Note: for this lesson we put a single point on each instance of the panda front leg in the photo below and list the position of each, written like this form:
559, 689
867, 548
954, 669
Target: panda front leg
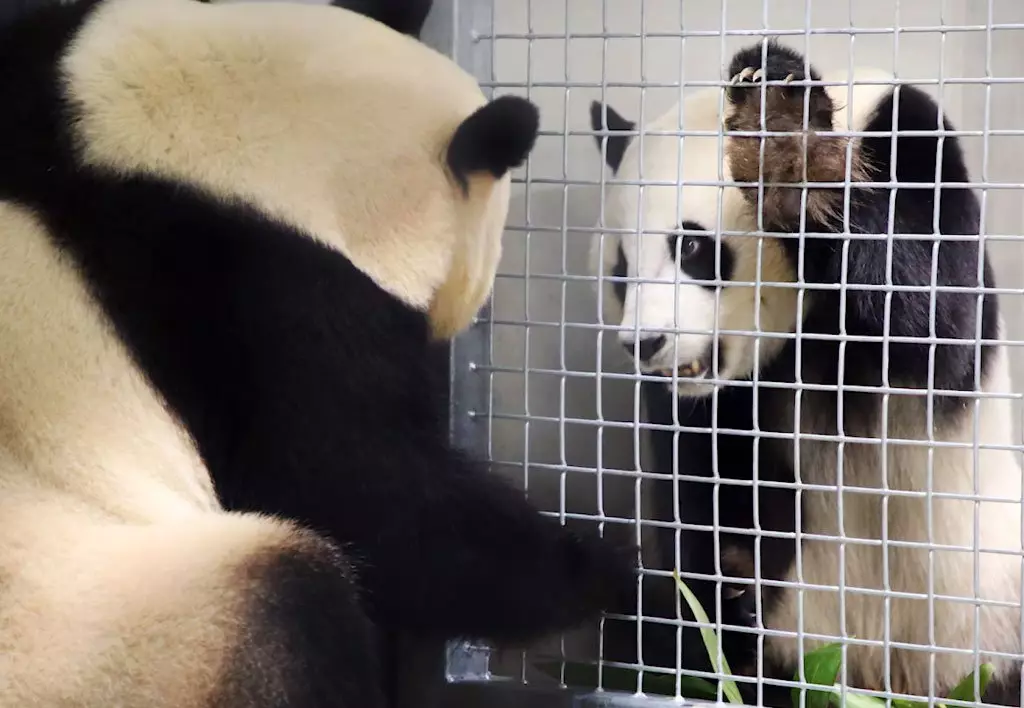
447, 549
769, 97
768, 94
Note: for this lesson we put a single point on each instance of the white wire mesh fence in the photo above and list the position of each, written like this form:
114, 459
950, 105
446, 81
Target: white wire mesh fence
545, 389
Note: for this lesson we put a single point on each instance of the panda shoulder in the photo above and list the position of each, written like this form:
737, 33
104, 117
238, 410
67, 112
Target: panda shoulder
857, 95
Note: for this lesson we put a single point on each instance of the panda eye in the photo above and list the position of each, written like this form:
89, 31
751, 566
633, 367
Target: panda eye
687, 246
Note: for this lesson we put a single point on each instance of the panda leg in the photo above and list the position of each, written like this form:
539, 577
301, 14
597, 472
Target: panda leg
772, 98
449, 550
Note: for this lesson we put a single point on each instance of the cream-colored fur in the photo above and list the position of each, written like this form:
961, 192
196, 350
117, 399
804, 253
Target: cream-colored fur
327, 119
953, 470
992, 474
123, 582
75, 413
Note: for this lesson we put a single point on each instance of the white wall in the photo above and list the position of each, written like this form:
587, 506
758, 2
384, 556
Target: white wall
536, 450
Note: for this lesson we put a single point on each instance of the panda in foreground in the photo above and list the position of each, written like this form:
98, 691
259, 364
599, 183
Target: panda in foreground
232, 248
684, 364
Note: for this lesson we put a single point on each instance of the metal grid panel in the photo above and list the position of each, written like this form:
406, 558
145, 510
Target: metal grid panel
539, 384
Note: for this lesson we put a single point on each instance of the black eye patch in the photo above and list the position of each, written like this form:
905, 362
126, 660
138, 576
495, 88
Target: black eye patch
696, 254
619, 271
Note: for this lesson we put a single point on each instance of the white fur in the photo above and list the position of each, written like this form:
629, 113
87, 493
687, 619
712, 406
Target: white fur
953, 470
675, 301
688, 307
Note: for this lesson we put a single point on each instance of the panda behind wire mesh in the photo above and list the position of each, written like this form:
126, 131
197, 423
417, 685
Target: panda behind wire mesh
694, 343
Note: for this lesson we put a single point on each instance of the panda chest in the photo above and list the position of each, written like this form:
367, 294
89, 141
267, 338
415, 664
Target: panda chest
841, 461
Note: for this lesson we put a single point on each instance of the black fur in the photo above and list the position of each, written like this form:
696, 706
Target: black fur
311, 392
289, 651
959, 214
645, 348
778, 61
619, 270
908, 363
495, 139
405, 16
617, 144
698, 258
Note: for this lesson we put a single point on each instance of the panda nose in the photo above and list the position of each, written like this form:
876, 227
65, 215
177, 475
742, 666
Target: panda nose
647, 347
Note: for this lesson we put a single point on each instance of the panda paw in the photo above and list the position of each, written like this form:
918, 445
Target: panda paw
751, 75
738, 599
740, 606
783, 73
770, 96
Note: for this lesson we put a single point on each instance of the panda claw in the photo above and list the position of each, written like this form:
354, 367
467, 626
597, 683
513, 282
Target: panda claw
743, 75
752, 75
733, 593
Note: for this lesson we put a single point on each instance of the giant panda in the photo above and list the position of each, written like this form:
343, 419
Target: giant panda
232, 239
683, 325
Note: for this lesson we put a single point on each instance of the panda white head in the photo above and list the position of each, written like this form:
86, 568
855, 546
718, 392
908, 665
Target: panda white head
676, 241
366, 139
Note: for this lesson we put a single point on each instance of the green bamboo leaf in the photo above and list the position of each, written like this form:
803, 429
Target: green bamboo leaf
901, 703
732, 692
964, 691
821, 668
856, 700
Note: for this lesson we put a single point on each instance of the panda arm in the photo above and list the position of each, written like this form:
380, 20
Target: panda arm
442, 547
782, 161
918, 314
799, 154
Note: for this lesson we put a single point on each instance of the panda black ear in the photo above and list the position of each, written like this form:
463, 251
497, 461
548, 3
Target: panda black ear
496, 138
405, 16
617, 144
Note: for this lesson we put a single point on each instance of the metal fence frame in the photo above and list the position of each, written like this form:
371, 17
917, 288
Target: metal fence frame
459, 676
462, 677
